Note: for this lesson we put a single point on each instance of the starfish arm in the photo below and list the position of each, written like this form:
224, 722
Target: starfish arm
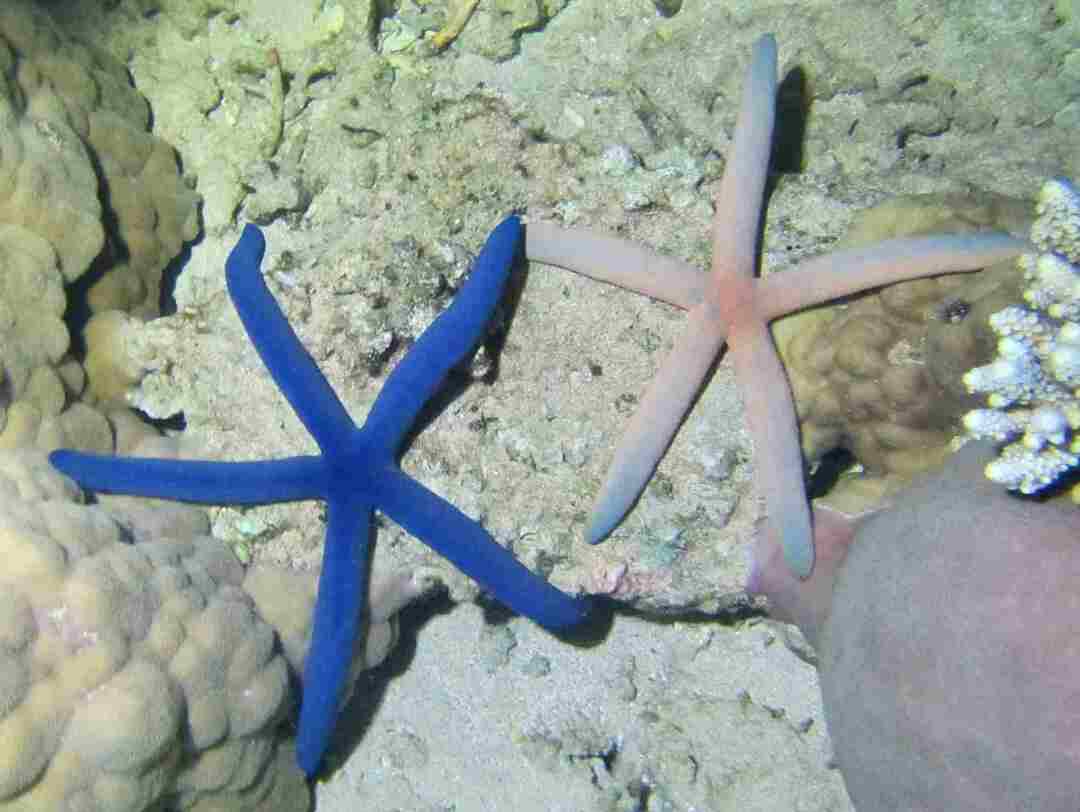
842, 273
201, 481
742, 189
617, 262
447, 340
470, 548
771, 419
804, 602
656, 420
292, 368
339, 608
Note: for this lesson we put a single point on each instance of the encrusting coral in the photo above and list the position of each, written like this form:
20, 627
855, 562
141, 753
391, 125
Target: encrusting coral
1034, 382
145, 676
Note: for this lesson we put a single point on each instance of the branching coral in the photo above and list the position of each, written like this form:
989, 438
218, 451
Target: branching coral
1034, 382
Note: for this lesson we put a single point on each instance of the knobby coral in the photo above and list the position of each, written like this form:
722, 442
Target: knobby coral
357, 472
146, 676
731, 306
1034, 382
879, 374
82, 182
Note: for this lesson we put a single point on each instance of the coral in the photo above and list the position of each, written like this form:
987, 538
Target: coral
49, 184
139, 676
949, 664
155, 212
80, 96
82, 183
356, 472
108, 337
32, 303
455, 23
131, 672
879, 374
731, 306
1033, 383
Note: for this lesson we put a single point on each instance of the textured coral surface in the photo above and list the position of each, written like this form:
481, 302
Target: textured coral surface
155, 671
86, 193
130, 673
880, 375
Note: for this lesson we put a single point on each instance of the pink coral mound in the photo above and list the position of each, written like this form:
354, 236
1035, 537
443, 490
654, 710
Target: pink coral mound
949, 653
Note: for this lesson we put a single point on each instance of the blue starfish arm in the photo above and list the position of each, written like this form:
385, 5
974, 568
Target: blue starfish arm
289, 364
442, 345
339, 608
205, 482
470, 548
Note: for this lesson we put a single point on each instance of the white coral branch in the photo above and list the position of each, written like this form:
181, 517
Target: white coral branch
1033, 384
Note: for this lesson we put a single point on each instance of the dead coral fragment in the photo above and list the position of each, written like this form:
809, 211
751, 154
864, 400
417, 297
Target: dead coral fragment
460, 12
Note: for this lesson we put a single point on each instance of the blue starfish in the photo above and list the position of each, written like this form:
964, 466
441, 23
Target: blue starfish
357, 472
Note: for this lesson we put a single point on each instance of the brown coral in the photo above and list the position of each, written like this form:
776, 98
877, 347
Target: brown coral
134, 676
82, 184
879, 375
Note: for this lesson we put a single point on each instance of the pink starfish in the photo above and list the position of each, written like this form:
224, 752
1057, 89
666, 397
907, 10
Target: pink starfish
730, 305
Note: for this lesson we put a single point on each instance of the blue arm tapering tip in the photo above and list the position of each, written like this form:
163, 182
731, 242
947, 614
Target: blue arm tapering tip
289, 364
449, 338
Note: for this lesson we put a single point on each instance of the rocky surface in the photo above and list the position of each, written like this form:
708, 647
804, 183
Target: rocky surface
376, 168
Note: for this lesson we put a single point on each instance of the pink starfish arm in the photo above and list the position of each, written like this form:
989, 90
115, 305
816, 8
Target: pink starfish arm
774, 427
732, 297
616, 261
821, 279
671, 393
742, 188
654, 424
842, 273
